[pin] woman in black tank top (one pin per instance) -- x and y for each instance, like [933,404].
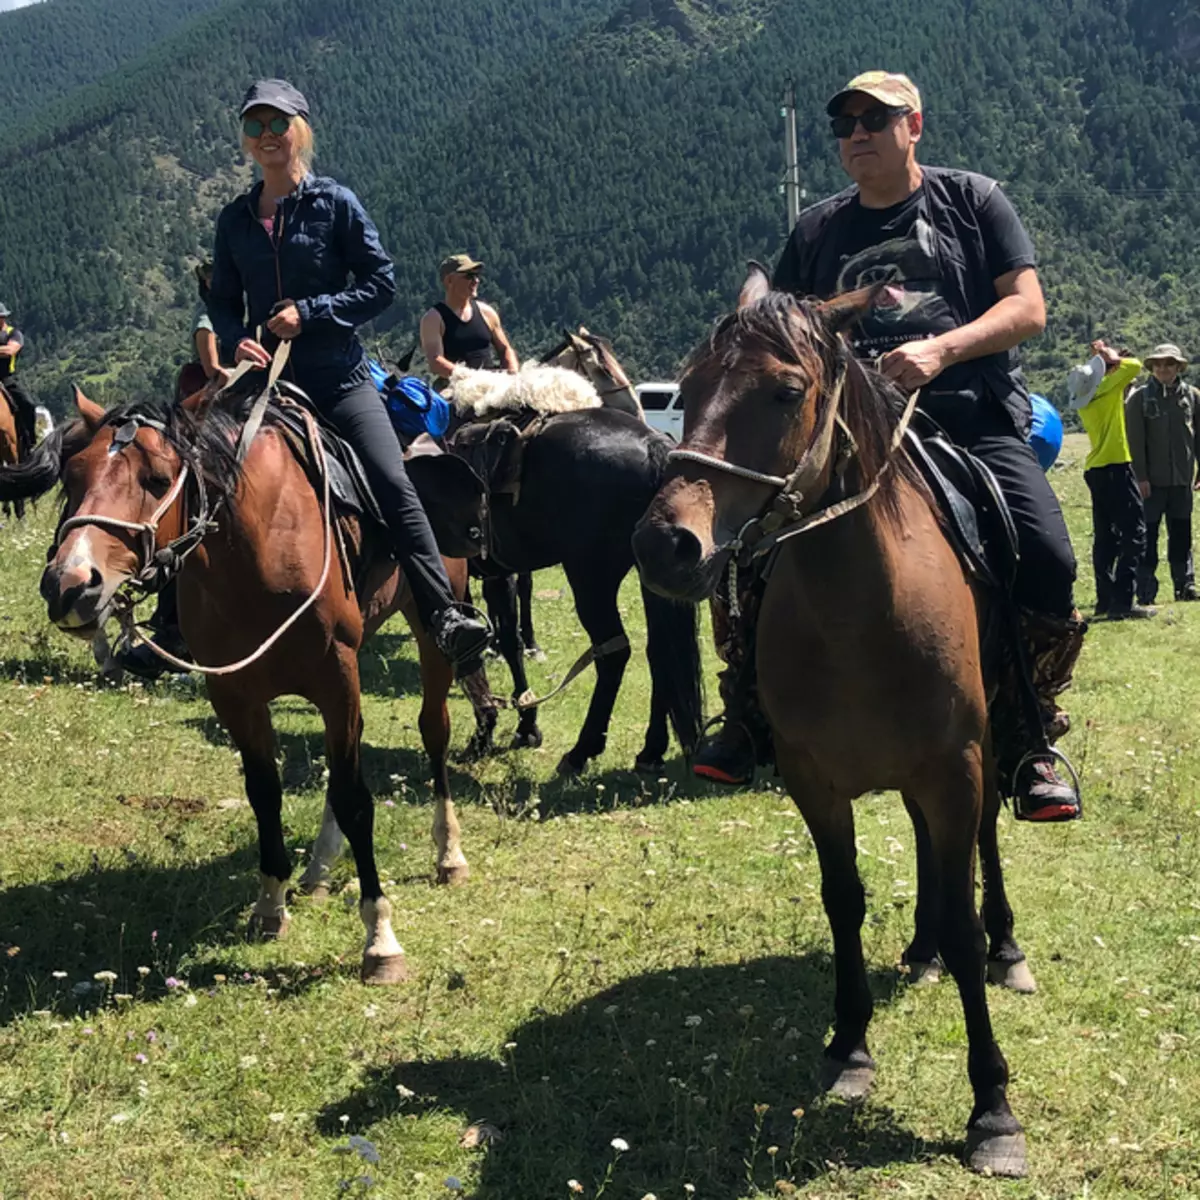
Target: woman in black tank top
[466,342]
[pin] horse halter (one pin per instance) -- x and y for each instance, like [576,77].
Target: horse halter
[156,565]
[785,516]
[791,490]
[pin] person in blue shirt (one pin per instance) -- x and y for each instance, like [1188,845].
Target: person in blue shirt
[298,259]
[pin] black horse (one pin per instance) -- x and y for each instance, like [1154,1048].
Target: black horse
[582,481]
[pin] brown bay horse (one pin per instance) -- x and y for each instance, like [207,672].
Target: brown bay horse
[10,444]
[868,651]
[126,498]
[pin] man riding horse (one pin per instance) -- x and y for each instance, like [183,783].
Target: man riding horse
[960,292]
[24,406]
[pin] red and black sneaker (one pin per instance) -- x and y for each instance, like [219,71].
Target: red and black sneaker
[1041,793]
[727,756]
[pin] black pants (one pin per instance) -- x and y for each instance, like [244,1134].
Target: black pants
[1175,503]
[26,414]
[358,414]
[1118,534]
[1046,576]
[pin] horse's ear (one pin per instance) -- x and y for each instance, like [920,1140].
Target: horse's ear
[843,311]
[756,287]
[583,331]
[577,343]
[89,410]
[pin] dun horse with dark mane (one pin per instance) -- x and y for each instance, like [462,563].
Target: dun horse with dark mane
[140,483]
[868,650]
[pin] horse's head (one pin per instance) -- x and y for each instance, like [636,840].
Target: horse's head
[759,396]
[122,482]
[590,355]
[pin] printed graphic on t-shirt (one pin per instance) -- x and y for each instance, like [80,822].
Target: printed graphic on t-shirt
[913,304]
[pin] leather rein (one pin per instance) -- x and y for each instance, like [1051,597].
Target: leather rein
[787,514]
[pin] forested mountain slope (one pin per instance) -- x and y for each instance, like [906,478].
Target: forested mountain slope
[50,49]
[613,162]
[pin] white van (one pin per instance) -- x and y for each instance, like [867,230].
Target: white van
[661,404]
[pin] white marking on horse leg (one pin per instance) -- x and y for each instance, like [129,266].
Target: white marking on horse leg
[327,849]
[377,917]
[383,959]
[451,862]
[269,917]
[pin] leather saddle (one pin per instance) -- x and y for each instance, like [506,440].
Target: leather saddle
[452,495]
[495,447]
[974,511]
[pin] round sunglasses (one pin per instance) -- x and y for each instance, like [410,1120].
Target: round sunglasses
[252,127]
[874,120]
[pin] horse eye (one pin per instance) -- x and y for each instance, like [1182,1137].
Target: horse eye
[157,484]
[790,395]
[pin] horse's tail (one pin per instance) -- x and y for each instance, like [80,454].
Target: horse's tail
[673,649]
[37,474]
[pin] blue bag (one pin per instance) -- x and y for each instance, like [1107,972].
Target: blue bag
[413,406]
[1046,432]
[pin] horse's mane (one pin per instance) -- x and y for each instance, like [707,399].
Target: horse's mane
[207,442]
[791,330]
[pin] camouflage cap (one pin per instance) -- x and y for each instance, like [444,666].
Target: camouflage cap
[896,91]
[458,264]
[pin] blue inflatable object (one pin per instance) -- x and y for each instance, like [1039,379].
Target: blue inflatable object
[1046,432]
[413,406]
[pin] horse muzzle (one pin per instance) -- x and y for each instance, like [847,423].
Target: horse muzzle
[672,560]
[77,595]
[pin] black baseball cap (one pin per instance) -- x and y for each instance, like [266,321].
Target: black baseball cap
[275,93]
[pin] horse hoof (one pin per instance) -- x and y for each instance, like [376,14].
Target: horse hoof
[536,653]
[649,766]
[527,739]
[383,970]
[452,876]
[850,1081]
[317,890]
[1001,1154]
[478,748]
[567,768]
[267,929]
[1016,976]
[924,974]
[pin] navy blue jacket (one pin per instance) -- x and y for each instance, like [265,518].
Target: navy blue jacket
[322,238]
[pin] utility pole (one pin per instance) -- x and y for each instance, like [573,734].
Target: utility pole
[791,180]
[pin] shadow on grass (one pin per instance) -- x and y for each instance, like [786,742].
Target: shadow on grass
[302,768]
[686,1097]
[119,918]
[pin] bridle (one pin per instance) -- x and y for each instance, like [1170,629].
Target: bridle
[566,344]
[156,565]
[788,513]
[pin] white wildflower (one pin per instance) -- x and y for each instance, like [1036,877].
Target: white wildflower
[619,1144]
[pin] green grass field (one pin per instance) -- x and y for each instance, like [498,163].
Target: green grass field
[631,959]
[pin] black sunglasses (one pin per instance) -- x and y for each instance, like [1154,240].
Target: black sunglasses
[874,120]
[252,127]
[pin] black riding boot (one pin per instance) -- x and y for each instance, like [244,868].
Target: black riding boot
[140,660]
[1052,646]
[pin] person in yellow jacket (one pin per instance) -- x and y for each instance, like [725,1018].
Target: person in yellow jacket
[1097,392]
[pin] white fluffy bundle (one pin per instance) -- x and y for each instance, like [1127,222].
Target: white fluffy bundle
[544,389]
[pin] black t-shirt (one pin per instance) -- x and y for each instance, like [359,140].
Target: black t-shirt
[932,248]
